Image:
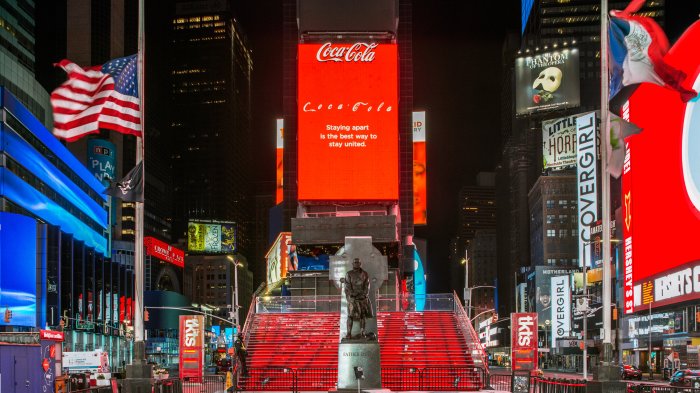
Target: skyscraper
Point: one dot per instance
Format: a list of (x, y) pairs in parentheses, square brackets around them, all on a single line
[(210, 118), (18, 58)]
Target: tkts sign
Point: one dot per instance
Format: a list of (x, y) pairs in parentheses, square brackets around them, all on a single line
[(523, 337), (191, 346)]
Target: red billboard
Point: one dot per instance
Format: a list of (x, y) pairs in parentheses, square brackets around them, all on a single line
[(523, 341), (279, 185), (420, 179), (164, 251), (660, 201), (348, 121), (191, 346)]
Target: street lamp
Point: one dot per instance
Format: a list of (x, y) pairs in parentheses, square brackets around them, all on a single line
[(467, 291), (234, 295)]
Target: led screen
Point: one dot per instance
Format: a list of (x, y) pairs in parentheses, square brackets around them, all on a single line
[(18, 269), (211, 237), (546, 81), (420, 178), (348, 121), (279, 190), (661, 175)]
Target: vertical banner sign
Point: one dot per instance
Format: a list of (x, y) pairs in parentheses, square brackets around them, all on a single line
[(420, 200), (587, 181), (348, 121), (559, 142), (191, 346), (280, 162), (627, 277), (102, 162), (561, 308), (523, 337)]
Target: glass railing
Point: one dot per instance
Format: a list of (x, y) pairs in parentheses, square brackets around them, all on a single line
[(290, 304), (331, 303), (431, 302)]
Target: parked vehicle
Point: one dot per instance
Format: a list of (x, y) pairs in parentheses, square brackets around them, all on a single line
[(686, 378), (630, 372)]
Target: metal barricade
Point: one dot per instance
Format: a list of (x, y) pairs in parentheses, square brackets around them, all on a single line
[(205, 384), (555, 385), (267, 379), (401, 378)]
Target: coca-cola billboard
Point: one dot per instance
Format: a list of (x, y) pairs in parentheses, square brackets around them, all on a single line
[(523, 334), (348, 121)]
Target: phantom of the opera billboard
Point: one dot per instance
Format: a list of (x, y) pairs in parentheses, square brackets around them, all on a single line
[(546, 81), (348, 121), (661, 189)]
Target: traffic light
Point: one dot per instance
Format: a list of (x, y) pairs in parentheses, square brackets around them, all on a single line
[(146, 317), (8, 315), (494, 318)]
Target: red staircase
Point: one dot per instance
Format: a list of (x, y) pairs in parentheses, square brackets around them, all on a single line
[(288, 345), (426, 350)]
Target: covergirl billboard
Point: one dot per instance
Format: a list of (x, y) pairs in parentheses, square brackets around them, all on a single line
[(661, 194), (348, 121)]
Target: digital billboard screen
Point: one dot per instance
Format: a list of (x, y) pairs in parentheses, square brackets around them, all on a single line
[(420, 200), (660, 194), (559, 142), (211, 237), (18, 269), (347, 121), (546, 81), (279, 189)]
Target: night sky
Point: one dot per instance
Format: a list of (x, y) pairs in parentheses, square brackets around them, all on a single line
[(457, 81)]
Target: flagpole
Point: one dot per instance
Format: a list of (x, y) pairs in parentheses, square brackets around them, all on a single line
[(139, 347), (605, 186)]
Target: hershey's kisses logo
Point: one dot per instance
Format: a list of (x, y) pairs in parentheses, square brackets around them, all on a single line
[(359, 51)]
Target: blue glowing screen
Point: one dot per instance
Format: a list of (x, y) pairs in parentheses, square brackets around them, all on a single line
[(18, 269)]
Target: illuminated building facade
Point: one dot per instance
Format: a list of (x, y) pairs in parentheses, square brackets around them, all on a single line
[(210, 118)]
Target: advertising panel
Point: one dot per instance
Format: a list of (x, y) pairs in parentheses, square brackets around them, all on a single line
[(539, 291), (93, 361), (102, 160), (661, 175), (211, 237), (547, 81), (561, 308), (559, 142), (348, 121), (281, 258), (279, 193), (191, 346), (587, 181), (523, 341), (18, 270), (164, 251), (420, 180)]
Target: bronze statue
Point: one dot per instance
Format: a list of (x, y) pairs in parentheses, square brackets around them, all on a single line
[(357, 294)]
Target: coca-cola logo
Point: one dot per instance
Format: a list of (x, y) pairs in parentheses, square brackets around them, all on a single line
[(359, 51)]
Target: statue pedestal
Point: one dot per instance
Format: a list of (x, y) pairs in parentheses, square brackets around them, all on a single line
[(359, 353)]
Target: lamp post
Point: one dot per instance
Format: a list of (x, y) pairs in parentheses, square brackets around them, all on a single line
[(467, 290), (234, 295)]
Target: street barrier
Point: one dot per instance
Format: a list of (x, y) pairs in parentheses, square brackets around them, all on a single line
[(648, 388)]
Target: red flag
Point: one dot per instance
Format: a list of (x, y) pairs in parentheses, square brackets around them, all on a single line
[(97, 97)]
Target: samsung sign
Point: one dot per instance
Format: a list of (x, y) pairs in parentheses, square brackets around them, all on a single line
[(561, 308), (587, 180)]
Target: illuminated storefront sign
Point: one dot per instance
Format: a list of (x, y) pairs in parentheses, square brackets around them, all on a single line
[(347, 121), (661, 174), (164, 251)]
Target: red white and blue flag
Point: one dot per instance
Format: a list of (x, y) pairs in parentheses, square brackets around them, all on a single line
[(637, 49), (94, 98)]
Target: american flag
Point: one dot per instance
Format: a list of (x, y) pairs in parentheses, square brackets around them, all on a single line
[(97, 97)]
